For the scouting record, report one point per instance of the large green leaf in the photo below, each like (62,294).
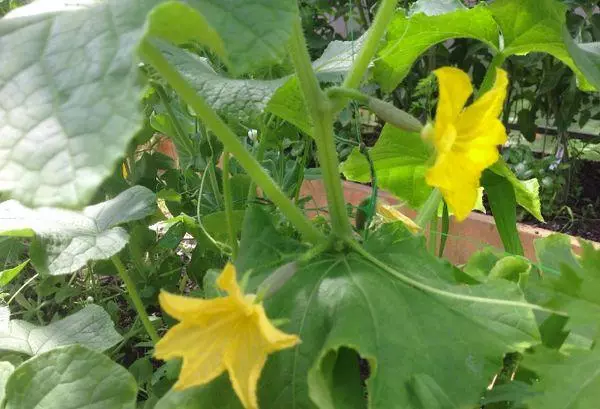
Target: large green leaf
(72,377)
(570,283)
(535,26)
(566,382)
(409,37)
(70,104)
(6,369)
(587,58)
(341,305)
(527,192)
(65,240)
(69,92)
(91,327)
(255,33)
(400,159)
(244,99)
(239,98)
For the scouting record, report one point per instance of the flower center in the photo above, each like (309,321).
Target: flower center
(445,141)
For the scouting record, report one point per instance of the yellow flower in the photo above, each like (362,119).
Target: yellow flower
(230,333)
(466,139)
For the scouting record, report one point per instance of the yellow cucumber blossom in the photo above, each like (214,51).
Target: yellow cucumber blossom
(466,139)
(230,333)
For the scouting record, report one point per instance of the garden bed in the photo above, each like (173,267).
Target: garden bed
(475,233)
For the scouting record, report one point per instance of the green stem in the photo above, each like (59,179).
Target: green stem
(135,299)
(429,209)
(440,292)
(260,154)
(322,117)
(228,199)
(349,93)
(214,184)
(433,232)
(384,15)
(490,75)
(180,136)
(231,142)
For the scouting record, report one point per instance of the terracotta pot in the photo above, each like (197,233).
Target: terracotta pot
(464,239)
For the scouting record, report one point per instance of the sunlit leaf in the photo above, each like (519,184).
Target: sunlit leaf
(565,382)
(342,306)
(72,377)
(65,240)
(535,26)
(91,327)
(400,159)
(409,37)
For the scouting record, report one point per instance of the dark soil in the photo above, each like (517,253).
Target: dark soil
(585,206)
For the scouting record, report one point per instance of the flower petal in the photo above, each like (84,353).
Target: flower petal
(227,281)
(455,89)
(190,308)
(201,348)
(244,359)
(275,338)
(474,122)
(458,180)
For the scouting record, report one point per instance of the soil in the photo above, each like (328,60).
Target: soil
(585,208)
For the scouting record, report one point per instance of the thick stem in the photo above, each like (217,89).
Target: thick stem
(384,15)
(135,299)
(231,142)
(228,200)
(322,117)
(429,209)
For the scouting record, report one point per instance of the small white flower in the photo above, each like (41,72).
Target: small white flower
(89,299)
(253,134)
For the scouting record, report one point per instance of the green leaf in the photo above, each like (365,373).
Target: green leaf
(489,264)
(66,240)
(254,33)
(570,283)
(91,327)
(72,377)
(503,202)
(566,382)
(414,341)
(215,225)
(333,65)
(11,250)
(70,103)
(400,159)
(6,369)
(288,103)
(242,99)
(65,125)
(337,58)
(409,37)
(535,26)
(527,192)
(587,58)
(7,276)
